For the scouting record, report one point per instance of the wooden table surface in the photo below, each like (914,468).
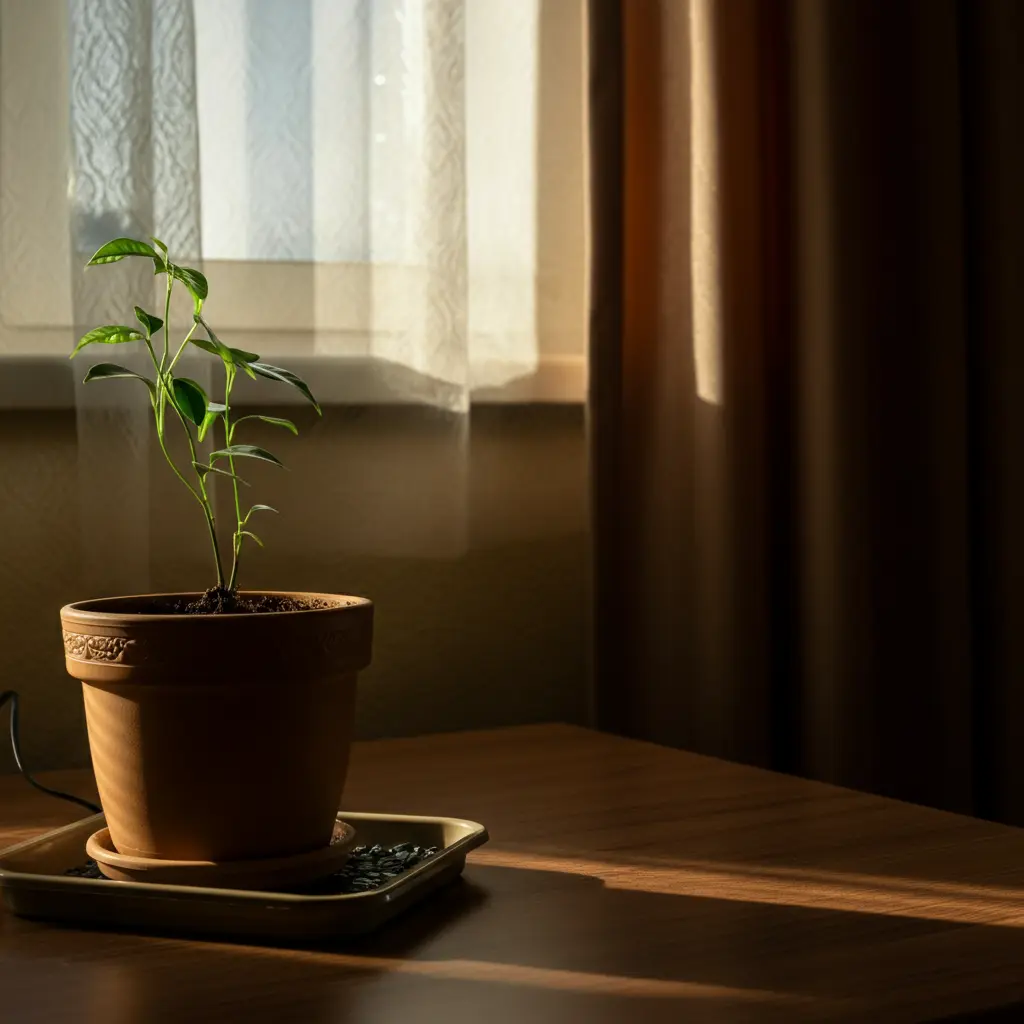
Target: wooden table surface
(624,882)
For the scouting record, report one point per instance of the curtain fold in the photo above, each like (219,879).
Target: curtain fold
(134,171)
(385,157)
(806,286)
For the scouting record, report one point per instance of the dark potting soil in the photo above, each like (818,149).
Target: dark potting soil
(220,601)
(367,868)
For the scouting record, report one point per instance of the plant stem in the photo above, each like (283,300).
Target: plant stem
(167,321)
(167,346)
(161,385)
(177,355)
(164,376)
(211,519)
(201,497)
(229,431)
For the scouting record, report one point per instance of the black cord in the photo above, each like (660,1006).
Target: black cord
(12,696)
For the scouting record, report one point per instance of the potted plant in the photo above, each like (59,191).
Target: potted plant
(219,723)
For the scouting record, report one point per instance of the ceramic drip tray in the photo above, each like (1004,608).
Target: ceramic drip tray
(398,860)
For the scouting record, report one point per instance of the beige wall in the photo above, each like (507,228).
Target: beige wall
(473,548)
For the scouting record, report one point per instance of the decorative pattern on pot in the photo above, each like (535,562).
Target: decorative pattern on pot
(96,648)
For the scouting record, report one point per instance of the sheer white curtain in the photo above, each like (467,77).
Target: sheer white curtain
(386,195)
(133,171)
(365,169)
(369,166)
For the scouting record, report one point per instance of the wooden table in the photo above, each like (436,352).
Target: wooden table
(624,882)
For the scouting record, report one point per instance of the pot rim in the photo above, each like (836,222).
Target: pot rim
(91,611)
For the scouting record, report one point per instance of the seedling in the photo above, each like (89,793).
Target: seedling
(187,401)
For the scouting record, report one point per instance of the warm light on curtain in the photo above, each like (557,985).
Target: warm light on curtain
(807,366)
(704,209)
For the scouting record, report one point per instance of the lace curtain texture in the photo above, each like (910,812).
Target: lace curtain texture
(370,165)
(134,172)
(360,176)
(357,178)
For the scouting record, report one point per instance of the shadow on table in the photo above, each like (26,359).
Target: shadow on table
(616,941)
(513,944)
(1013,1014)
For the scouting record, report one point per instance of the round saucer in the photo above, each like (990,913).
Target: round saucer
(268,874)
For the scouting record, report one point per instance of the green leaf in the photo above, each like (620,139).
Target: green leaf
(119,248)
(163,260)
(243,359)
(231,356)
(194,282)
(150,322)
(208,421)
(203,469)
(213,411)
(190,398)
(276,420)
(215,349)
(286,377)
(214,345)
(111,334)
(249,533)
(247,451)
(260,508)
(108,371)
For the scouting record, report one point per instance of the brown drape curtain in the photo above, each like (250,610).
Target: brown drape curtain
(807,397)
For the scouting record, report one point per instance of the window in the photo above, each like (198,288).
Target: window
(372,177)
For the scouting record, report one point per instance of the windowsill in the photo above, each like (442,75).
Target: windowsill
(48,382)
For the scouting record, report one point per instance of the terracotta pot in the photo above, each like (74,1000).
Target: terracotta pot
(218,737)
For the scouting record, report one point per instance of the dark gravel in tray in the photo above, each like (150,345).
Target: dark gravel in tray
(86,870)
(367,868)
